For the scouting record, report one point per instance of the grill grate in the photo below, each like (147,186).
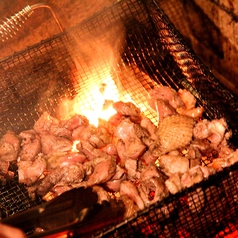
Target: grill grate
(202,211)
(149,52)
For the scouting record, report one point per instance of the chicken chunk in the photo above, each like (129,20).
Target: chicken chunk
(171,164)
(51,144)
(9,146)
(166,94)
(129,189)
(66,175)
(30,171)
(102,172)
(134,147)
(47,124)
(30,145)
(128,109)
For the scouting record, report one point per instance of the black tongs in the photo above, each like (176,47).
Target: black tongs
(75,212)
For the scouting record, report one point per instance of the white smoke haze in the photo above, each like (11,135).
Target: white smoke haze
(96,54)
(101,75)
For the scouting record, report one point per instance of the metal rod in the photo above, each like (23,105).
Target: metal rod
(11,25)
(42,5)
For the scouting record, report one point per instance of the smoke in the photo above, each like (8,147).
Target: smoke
(95,49)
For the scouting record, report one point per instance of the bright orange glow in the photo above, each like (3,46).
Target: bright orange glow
(98,100)
(95,100)
(97,93)
(74,146)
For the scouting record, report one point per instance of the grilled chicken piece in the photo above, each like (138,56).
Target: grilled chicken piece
(188,98)
(5,174)
(66,175)
(90,151)
(148,157)
(164,109)
(131,167)
(74,122)
(194,155)
(60,159)
(9,146)
(58,189)
(153,190)
(134,147)
(30,145)
(47,124)
(121,150)
(51,144)
(71,158)
(129,189)
(174,132)
(216,131)
(113,184)
(171,164)
(167,94)
(4,165)
(73,173)
(91,164)
(219,163)
(30,171)
(102,172)
(130,207)
(9,150)
(196,113)
(128,109)
(43,124)
(150,127)
(152,185)
(173,183)
(98,137)
(166,102)
(151,171)
(110,149)
(190,105)
(142,133)
(189,178)
(178,181)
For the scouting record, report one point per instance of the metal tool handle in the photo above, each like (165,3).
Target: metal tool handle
(11,25)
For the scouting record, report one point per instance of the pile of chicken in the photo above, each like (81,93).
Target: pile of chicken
(127,155)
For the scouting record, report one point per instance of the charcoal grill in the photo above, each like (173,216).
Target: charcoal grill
(150,52)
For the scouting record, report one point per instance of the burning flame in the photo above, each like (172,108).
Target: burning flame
(99,103)
(98,89)
(94,101)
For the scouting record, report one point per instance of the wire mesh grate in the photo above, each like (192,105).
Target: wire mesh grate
(149,52)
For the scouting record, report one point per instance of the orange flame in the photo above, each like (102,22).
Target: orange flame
(94,102)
